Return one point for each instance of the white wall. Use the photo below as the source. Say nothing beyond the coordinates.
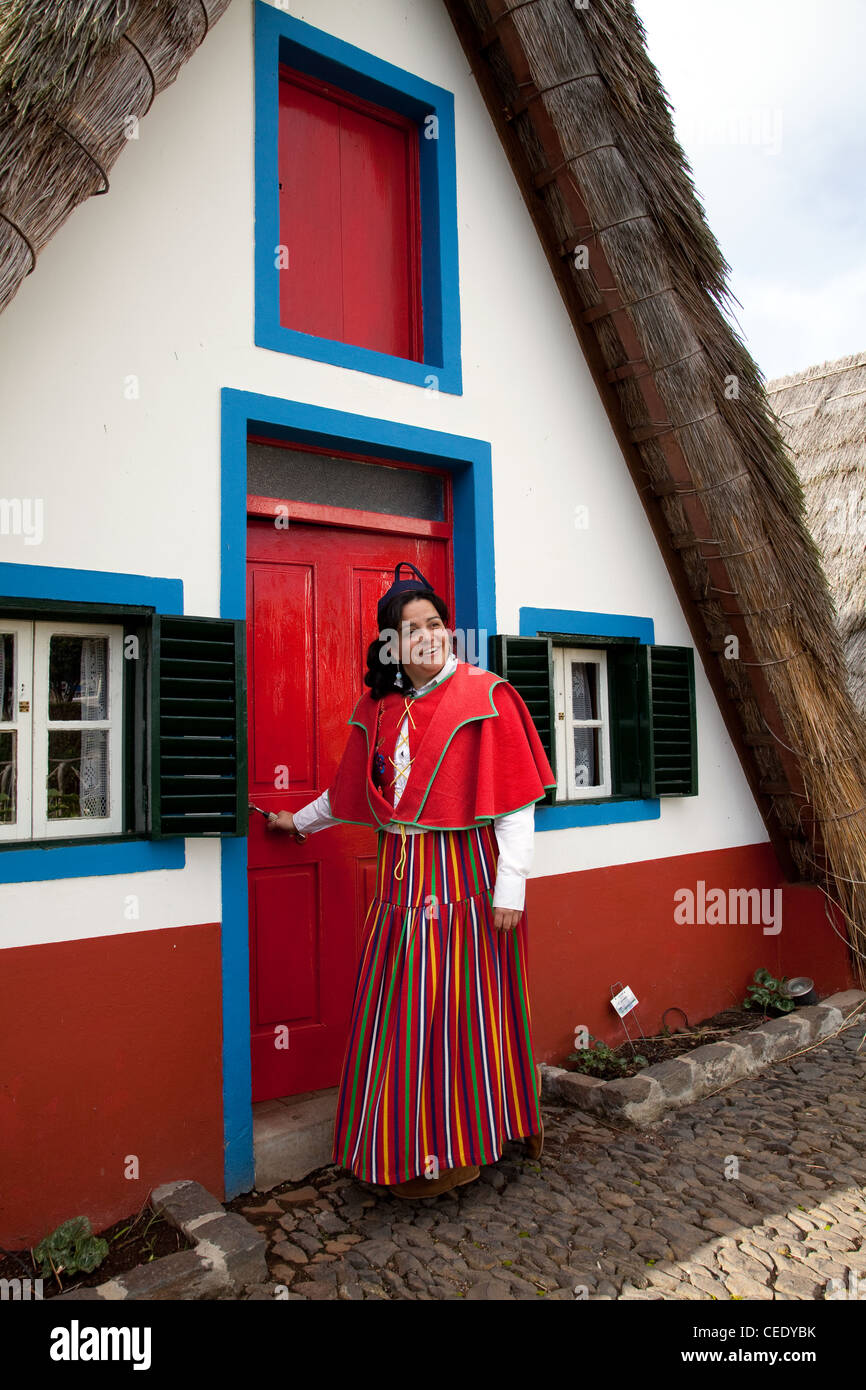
(156, 279)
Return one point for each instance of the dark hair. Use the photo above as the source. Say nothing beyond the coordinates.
(380, 676)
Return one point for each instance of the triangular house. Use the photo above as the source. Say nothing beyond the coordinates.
(822, 418)
(371, 287)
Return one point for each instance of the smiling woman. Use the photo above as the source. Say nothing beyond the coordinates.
(438, 1072)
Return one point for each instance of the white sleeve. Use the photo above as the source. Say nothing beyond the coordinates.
(316, 815)
(515, 835)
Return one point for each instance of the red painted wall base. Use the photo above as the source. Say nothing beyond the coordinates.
(112, 1047)
(588, 931)
(111, 1053)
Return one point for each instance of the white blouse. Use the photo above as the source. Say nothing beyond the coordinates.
(515, 832)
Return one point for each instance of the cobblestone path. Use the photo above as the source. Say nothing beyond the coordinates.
(612, 1214)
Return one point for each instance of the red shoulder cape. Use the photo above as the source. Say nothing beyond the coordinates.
(480, 757)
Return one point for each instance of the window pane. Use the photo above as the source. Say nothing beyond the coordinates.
(77, 773)
(584, 689)
(8, 745)
(78, 678)
(7, 668)
(339, 482)
(586, 762)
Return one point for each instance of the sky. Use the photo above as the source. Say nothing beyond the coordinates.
(769, 102)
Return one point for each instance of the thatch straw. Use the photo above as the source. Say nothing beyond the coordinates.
(822, 418)
(588, 76)
(72, 75)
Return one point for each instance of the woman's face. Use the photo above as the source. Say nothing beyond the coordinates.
(425, 641)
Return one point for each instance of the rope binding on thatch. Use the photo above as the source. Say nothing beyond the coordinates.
(74, 77)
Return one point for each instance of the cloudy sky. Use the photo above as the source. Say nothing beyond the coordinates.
(769, 101)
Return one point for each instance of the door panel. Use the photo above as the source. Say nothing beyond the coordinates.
(312, 593)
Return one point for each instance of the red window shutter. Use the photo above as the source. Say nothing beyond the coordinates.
(350, 218)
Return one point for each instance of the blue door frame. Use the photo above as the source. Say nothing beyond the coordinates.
(469, 462)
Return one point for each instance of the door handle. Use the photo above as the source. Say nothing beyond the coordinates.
(298, 835)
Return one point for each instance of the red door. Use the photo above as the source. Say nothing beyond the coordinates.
(312, 592)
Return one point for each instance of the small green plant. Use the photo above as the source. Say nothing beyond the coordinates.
(768, 992)
(71, 1249)
(143, 1235)
(602, 1060)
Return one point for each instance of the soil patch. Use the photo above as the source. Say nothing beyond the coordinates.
(132, 1241)
(722, 1027)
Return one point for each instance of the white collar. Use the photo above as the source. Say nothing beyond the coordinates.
(447, 668)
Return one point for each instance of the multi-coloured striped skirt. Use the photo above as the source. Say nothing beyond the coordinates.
(439, 1070)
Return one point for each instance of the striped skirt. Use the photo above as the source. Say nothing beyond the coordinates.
(438, 1071)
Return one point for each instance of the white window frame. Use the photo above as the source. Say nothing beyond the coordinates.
(568, 788)
(112, 824)
(21, 724)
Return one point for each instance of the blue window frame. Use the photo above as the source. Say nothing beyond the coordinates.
(97, 591)
(280, 38)
(536, 622)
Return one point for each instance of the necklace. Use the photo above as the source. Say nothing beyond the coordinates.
(379, 757)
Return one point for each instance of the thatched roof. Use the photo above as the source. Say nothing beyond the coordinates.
(822, 418)
(74, 76)
(587, 127)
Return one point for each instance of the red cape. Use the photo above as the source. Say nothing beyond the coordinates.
(480, 757)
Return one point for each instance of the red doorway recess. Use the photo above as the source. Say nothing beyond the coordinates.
(312, 590)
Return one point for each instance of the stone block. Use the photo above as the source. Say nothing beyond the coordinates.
(784, 1036)
(557, 1083)
(757, 1046)
(184, 1275)
(183, 1202)
(639, 1100)
(677, 1079)
(718, 1064)
(821, 1020)
(846, 1001)
(236, 1246)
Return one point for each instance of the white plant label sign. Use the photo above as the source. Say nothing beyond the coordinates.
(623, 1002)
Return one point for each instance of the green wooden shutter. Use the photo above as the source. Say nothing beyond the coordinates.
(672, 725)
(527, 664)
(198, 727)
(627, 684)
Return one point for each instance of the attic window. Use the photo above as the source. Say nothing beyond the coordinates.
(349, 219)
(356, 209)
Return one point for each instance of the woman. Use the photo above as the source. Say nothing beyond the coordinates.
(438, 1071)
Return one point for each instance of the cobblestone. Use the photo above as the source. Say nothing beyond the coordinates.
(660, 1213)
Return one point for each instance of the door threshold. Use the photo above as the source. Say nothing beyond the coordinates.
(293, 1137)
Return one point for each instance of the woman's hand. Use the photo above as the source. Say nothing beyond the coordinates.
(284, 820)
(505, 918)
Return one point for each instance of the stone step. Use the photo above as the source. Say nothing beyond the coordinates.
(292, 1137)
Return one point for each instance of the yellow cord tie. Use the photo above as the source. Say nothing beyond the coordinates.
(402, 860)
(404, 739)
